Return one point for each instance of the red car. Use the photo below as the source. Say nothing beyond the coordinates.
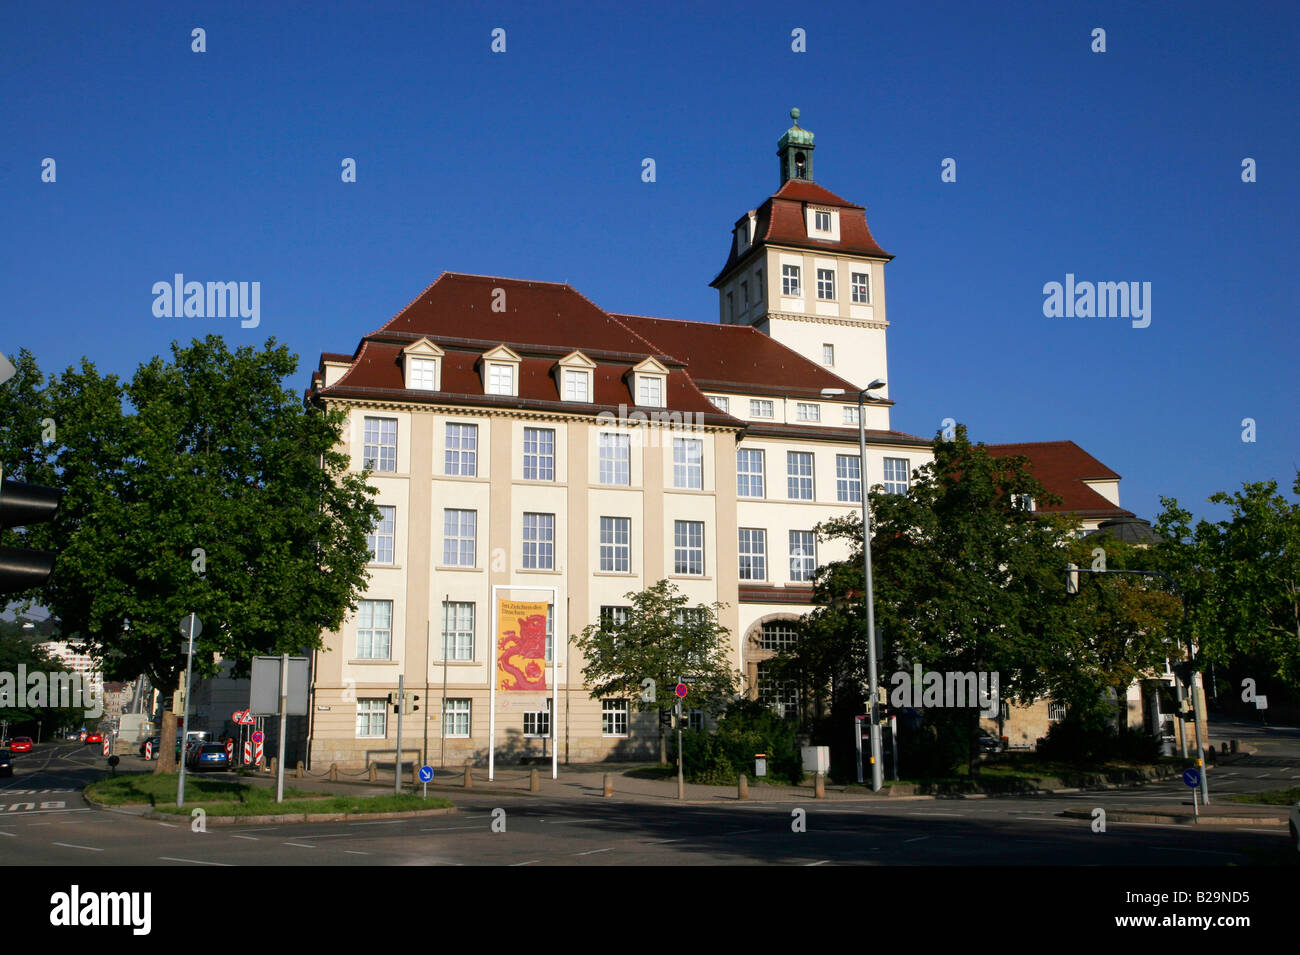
(20, 744)
(95, 738)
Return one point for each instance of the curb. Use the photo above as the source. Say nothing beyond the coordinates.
(303, 817)
(1180, 819)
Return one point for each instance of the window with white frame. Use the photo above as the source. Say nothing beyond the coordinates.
(779, 634)
(808, 411)
(380, 539)
(613, 717)
(650, 391)
(693, 719)
(421, 374)
(1055, 711)
(822, 221)
(826, 283)
(803, 556)
(539, 454)
(781, 695)
(688, 548)
(848, 477)
(896, 475)
(862, 288)
(688, 463)
(456, 714)
(459, 530)
(616, 545)
(462, 450)
(760, 408)
(1024, 502)
(372, 718)
(374, 630)
(615, 458)
(538, 722)
(723, 404)
(851, 414)
(753, 553)
(790, 280)
(828, 354)
(613, 616)
(575, 386)
(749, 473)
(501, 379)
(457, 630)
(539, 541)
(379, 444)
(799, 475)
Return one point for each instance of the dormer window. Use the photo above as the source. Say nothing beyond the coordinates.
(501, 372)
(422, 369)
(822, 221)
(649, 381)
(822, 224)
(742, 236)
(575, 386)
(573, 375)
(501, 379)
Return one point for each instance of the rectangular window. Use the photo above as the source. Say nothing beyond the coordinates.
(539, 541)
(379, 451)
(862, 288)
(807, 411)
(896, 476)
(462, 450)
(688, 463)
(372, 719)
(380, 539)
(781, 695)
(721, 403)
(744, 293)
(731, 307)
(613, 615)
(749, 473)
(779, 634)
(799, 475)
(539, 454)
(688, 548)
(790, 280)
(803, 556)
(421, 373)
(615, 459)
(848, 477)
(616, 545)
(374, 630)
(760, 408)
(826, 283)
(613, 717)
(753, 553)
(851, 415)
(1055, 711)
(501, 379)
(538, 722)
(575, 386)
(822, 221)
(459, 529)
(650, 391)
(828, 355)
(456, 714)
(457, 630)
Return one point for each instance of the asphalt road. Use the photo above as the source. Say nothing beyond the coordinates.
(44, 821)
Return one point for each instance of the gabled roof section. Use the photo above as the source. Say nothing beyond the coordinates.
(781, 221)
(502, 353)
(576, 359)
(422, 348)
(1062, 467)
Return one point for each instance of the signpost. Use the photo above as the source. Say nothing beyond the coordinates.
(279, 686)
(1192, 778)
(426, 777)
(191, 627)
(680, 690)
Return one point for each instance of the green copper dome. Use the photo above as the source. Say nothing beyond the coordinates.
(795, 136)
(795, 149)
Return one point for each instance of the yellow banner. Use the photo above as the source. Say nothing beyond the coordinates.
(521, 645)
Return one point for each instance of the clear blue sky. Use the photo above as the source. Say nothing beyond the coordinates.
(1123, 165)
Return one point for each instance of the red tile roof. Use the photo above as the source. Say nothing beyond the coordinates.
(781, 221)
(1062, 467)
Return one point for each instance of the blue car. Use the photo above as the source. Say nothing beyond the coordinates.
(6, 763)
(208, 756)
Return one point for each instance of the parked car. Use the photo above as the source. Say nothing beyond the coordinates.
(20, 744)
(208, 756)
(94, 738)
(157, 745)
(6, 763)
(990, 743)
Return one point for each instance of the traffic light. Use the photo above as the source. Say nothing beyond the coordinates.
(22, 505)
(410, 703)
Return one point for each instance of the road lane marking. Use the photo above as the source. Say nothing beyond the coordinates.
(300, 845)
(238, 836)
(741, 832)
(193, 861)
(592, 852)
(662, 842)
(387, 822)
(450, 828)
(917, 839)
(529, 862)
(3, 833)
(168, 825)
(68, 845)
(821, 862)
(354, 852)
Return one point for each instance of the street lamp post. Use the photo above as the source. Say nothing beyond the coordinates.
(873, 703)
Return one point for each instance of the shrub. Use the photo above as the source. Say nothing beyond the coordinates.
(748, 727)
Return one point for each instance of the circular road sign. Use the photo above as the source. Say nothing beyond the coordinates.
(680, 690)
(426, 774)
(1192, 777)
(257, 736)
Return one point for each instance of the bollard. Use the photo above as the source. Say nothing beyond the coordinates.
(1224, 748)
(1233, 745)
(372, 772)
(334, 772)
(534, 781)
(819, 786)
(742, 787)
(275, 764)
(608, 787)
(300, 770)
(469, 774)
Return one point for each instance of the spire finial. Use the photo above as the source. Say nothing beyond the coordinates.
(794, 114)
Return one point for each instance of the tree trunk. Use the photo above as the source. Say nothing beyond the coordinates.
(167, 745)
(663, 741)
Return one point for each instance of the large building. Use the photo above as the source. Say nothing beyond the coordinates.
(523, 439)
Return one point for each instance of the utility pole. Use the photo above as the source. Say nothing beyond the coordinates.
(401, 705)
(284, 725)
(193, 627)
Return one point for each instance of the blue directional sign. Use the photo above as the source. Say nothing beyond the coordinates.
(1192, 777)
(426, 774)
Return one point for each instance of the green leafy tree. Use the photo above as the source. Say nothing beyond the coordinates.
(201, 485)
(662, 639)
